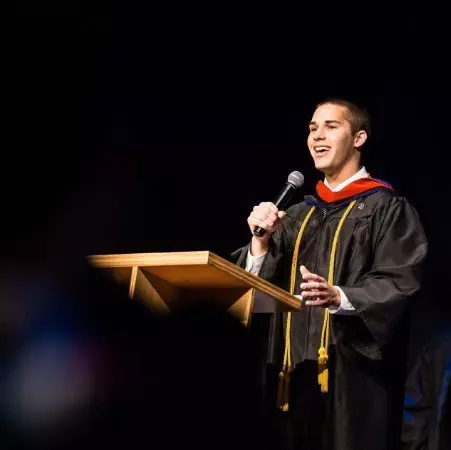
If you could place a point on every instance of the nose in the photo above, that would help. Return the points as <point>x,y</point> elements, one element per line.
<point>318,135</point>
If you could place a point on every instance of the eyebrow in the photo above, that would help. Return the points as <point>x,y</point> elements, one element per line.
<point>327,121</point>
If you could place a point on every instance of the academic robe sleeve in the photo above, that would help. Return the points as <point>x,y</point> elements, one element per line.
<point>382,295</point>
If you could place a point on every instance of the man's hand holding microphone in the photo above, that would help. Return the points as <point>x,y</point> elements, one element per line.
<point>265,216</point>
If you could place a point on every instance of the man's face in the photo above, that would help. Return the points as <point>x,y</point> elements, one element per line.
<point>330,141</point>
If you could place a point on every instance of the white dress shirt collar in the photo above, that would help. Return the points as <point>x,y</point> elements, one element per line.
<point>362,173</point>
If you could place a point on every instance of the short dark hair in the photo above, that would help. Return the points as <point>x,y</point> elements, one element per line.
<point>358,117</point>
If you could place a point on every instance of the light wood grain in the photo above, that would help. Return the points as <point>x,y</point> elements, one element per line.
<point>195,271</point>
<point>151,259</point>
<point>155,295</point>
<point>133,279</point>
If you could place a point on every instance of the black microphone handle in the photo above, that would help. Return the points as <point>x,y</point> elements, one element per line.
<point>281,200</point>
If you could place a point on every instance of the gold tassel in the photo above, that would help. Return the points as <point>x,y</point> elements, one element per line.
<point>284,390</point>
<point>323,380</point>
<point>323,371</point>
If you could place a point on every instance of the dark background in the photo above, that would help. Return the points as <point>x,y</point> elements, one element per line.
<point>139,128</point>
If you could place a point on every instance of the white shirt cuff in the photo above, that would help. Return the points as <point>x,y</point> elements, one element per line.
<point>254,263</point>
<point>345,307</point>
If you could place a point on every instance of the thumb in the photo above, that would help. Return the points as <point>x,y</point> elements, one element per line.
<point>281,214</point>
<point>304,270</point>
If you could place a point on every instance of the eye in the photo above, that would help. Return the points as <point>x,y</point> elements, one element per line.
<point>312,129</point>
<point>332,126</point>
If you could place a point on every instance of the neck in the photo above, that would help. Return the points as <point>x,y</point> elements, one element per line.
<point>336,178</point>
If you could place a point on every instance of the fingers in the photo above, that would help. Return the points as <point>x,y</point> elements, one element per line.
<point>261,220</point>
<point>267,209</point>
<point>309,276</point>
<point>318,285</point>
<point>265,215</point>
<point>271,206</point>
<point>254,221</point>
<point>318,302</point>
<point>304,271</point>
<point>315,293</point>
<point>313,277</point>
<point>315,289</point>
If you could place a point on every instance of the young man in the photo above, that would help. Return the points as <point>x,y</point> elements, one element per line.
<point>354,253</point>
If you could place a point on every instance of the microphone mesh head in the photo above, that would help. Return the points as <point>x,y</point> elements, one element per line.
<point>296,179</point>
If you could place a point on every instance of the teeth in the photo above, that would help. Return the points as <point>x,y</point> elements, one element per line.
<point>320,149</point>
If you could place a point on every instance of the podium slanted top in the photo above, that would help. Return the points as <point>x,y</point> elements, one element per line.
<point>194,270</point>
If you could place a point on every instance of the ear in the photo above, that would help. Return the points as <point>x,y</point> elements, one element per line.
<point>360,138</point>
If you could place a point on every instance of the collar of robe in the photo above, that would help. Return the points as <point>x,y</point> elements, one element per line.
<point>352,190</point>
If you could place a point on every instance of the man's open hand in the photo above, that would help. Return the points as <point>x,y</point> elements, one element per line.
<point>316,291</point>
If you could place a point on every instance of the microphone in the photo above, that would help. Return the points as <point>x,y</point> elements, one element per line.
<point>295,181</point>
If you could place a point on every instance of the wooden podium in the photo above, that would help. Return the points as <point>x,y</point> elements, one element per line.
<point>171,282</point>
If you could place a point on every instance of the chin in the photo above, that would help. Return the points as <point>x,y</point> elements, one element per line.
<point>322,166</point>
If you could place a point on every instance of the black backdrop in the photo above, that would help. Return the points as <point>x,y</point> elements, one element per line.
<point>135,128</point>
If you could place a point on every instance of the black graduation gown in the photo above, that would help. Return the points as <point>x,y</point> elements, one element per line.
<point>427,406</point>
<point>379,262</point>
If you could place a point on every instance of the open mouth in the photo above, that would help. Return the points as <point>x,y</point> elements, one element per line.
<point>321,150</point>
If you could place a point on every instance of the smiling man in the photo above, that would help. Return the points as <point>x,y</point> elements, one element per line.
<point>354,253</point>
